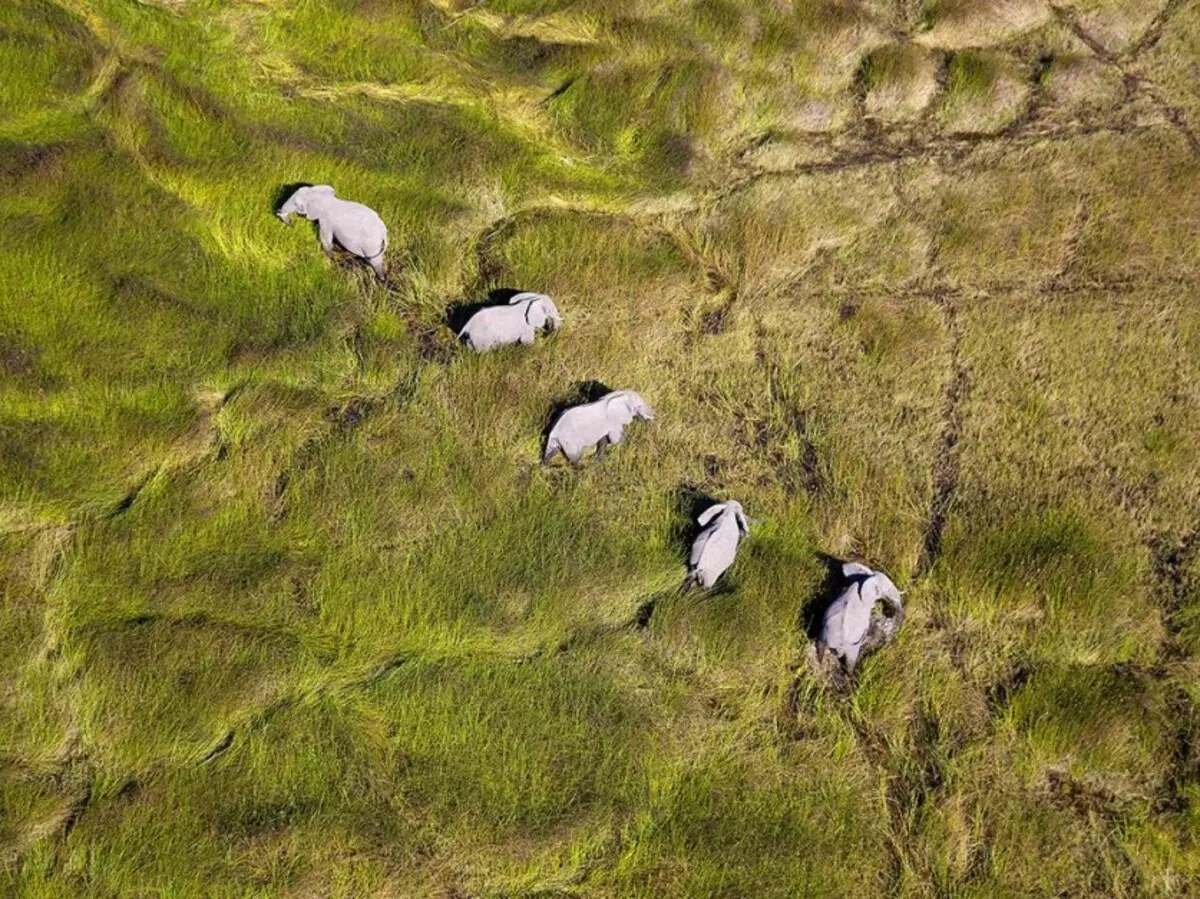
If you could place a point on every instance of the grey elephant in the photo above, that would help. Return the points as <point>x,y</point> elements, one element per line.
<point>597,424</point>
<point>851,627</point>
<point>724,525</point>
<point>518,322</point>
<point>358,229</point>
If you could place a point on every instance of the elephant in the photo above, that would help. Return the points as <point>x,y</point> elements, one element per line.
<point>851,628</point>
<point>714,549</point>
<point>598,424</point>
<point>518,322</point>
<point>358,229</point>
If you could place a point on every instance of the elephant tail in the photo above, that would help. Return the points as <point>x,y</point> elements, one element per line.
<point>382,247</point>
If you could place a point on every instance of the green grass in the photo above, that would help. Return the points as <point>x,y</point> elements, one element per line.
<point>288,606</point>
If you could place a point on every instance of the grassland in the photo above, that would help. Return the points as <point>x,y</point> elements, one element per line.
<point>288,609</point>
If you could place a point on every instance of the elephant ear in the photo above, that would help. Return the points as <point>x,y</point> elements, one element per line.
<point>534,313</point>
<point>524,296</point>
<point>889,593</point>
<point>856,569</point>
<point>619,406</point>
<point>743,523</point>
<point>300,200</point>
<point>879,588</point>
<point>710,513</point>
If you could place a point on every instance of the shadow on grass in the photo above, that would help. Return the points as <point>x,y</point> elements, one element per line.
<point>458,314</point>
<point>689,504</point>
<point>812,613</point>
<point>283,191</point>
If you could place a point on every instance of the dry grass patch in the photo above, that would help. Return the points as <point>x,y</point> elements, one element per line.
<point>787,151</point>
<point>985,93</point>
<point>1082,86</point>
<point>770,236</point>
<point>1171,62</point>
<point>1050,214</point>
<point>1154,231</point>
<point>1009,221</point>
<point>900,82</point>
<point>1121,379</point>
<point>1116,24</point>
<point>963,24</point>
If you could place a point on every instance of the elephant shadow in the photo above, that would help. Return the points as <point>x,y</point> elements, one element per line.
<point>581,392</point>
<point>689,503</point>
<point>458,314</point>
<point>283,191</point>
<point>812,613</point>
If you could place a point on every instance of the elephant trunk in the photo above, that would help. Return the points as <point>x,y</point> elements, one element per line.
<point>283,217</point>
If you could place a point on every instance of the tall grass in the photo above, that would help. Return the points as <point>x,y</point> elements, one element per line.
<point>288,605</point>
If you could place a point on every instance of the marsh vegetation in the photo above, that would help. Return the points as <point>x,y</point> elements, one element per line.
<point>287,606</point>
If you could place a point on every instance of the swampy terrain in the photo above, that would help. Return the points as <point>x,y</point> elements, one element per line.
<point>288,607</point>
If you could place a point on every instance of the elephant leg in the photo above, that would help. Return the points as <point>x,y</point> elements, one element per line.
<point>602,448</point>
<point>325,235</point>
<point>851,657</point>
<point>527,338</point>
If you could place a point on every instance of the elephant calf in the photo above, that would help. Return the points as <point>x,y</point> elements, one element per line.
<point>850,627</point>
<point>358,229</point>
<point>714,549</point>
<point>597,424</point>
<point>518,322</point>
